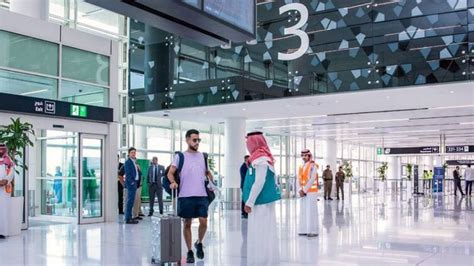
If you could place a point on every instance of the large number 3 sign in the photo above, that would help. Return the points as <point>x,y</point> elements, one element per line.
<point>296,30</point>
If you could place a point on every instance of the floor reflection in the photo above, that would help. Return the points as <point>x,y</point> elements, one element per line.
<point>364,229</point>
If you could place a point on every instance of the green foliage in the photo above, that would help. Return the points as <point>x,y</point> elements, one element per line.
<point>347,168</point>
<point>409,170</point>
<point>212,164</point>
<point>16,136</point>
<point>382,171</point>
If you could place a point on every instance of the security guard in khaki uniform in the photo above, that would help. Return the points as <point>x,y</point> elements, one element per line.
<point>327,177</point>
<point>340,176</point>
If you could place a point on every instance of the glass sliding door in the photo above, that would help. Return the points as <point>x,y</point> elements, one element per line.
<point>56,184</point>
<point>91,173</point>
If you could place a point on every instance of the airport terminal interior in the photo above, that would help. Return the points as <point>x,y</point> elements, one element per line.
<point>360,113</point>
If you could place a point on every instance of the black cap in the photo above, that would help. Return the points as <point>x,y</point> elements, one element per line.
<point>254,133</point>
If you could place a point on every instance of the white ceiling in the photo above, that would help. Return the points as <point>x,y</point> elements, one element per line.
<point>406,116</point>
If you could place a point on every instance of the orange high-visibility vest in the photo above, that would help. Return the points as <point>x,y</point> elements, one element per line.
<point>304,177</point>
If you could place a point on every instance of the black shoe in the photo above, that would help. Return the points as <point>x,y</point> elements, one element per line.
<point>121,213</point>
<point>131,222</point>
<point>199,250</point>
<point>190,257</point>
<point>312,235</point>
<point>150,214</point>
<point>337,198</point>
<point>330,198</point>
<point>302,234</point>
<point>161,212</point>
<point>142,215</point>
<point>138,218</point>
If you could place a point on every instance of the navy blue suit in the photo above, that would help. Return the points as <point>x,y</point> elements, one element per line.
<point>243,173</point>
<point>131,186</point>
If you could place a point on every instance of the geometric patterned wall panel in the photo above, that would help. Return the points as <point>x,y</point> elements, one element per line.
<point>354,45</point>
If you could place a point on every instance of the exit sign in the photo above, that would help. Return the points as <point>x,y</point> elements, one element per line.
<point>379,151</point>
<point>78,110</point>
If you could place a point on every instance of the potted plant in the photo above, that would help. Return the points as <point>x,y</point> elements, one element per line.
<point>445,167</point>
<point>409,170</point>
<point>16,136</point>
<point>347,168</point>
<point>382,171</point>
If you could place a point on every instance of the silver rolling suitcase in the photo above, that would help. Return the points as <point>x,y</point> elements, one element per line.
<point>166,237</point>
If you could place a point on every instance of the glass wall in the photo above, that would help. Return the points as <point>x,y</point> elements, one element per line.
<point>161,137</point>
<point>30,67</point>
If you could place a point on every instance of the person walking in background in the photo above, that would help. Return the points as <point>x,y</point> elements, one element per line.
<point>58,185</point>
<point>120,186</point>
<point>426,177</point>
<point>260,195</point>
<point>457,181</point>
<point>469,177</point>
<point>132,177</point>
<point>243,173</point>
<point>327,177</point>
<point>340,176</point>
<point>308,181</point>
<point>137,205</point>
<point>430,178</point>
<point>155,187</point>
<point>192,197</point>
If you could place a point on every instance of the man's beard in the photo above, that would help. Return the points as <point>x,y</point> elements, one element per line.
<point>194,148</point>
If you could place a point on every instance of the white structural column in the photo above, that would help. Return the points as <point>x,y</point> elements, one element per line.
<point>33,8</point>
<point>394,167</point>
<point>330,157</point>
<point>235,150</point>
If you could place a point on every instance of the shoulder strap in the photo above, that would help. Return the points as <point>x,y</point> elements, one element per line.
<point>206,156</point>
<point>181,161</point>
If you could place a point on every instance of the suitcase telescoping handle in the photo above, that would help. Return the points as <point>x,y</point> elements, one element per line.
<point>174,201</point>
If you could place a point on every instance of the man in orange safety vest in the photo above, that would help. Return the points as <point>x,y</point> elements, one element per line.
<point>308,183</point>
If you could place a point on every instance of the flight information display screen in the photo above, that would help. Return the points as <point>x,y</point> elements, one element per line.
<point>239,13</point>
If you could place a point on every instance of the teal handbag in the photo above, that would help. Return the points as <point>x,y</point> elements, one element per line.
<point>270,191</point>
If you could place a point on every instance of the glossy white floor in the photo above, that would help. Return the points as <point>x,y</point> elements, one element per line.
<point>360,231</point>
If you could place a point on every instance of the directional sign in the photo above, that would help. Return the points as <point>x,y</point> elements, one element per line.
<point>460,149</point>
<point>411,150</point>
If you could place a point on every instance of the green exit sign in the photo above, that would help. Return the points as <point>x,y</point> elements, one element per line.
<point>379,151</point>
<point>78,110</point>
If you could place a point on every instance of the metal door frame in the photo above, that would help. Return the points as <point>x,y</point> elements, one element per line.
<point>80,218</point>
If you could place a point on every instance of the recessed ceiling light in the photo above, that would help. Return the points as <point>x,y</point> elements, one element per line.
<point>388,97</point>
<point>451,107</point>
<point>347,129</point>
<point>204,113</point>
<point>451,92</point>
<point>287,118</point>
<point>466,123</point>
<point>379,121</point>
<point>300,125</point>
<point>243,109</point>
<point>337,101</point>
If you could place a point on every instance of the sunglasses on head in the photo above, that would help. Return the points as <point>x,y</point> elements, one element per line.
<point>196,140</point>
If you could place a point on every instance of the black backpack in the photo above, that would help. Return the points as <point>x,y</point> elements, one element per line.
<point>166,182</point>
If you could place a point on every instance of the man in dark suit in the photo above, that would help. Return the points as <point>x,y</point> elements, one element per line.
<point>243,173</point>
<point>155,187</point>
<point>120,186</point>
<point>131,180</point>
